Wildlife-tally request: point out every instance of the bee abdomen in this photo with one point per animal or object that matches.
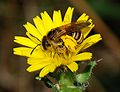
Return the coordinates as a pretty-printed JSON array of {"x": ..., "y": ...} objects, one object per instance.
[{"x": 75, "y": 35}]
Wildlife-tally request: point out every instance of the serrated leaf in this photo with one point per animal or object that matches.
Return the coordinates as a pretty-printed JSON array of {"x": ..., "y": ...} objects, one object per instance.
[
  {"x": 66, "y": 79},
  {"x": 67, "y": 83},
  {"x": 85, "y": 75}
]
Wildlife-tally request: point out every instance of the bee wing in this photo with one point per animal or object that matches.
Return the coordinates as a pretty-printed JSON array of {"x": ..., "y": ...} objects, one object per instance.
[
  {"x": 58, "y": 35},
  {"x": 79, "y": 25},
  {"x": 69, "y": 28}
]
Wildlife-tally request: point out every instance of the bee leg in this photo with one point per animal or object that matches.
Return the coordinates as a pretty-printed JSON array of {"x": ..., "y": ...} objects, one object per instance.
[{"x": 34, "y": 48}]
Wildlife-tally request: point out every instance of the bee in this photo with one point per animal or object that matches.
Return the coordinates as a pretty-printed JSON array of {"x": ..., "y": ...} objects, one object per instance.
[{"x": 53, "y": 38}]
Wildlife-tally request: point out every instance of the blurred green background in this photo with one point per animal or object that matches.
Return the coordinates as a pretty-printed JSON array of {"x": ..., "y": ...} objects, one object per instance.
[{"x": 106, "y": 16}]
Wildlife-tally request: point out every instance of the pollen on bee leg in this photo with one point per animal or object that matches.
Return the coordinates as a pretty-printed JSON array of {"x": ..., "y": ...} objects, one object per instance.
[{"x": 69, "y": 42}]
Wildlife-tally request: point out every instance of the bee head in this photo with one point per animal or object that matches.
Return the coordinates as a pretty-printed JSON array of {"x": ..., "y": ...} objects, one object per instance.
[{"x": 45, "y": 43}]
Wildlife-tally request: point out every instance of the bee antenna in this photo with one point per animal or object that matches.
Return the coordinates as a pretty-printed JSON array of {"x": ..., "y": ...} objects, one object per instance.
[{"x": 34, "y": 49}]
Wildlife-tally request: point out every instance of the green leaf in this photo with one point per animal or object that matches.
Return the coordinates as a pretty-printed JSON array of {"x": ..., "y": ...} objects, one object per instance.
[
  {"x": 66, "y": 83},
  {"x": 85, "y": 75},
  {"x": 66, "y": 78}
]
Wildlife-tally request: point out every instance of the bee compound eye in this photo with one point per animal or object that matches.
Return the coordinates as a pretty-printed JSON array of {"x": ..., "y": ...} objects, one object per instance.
[{"x": 45, "y": 43}]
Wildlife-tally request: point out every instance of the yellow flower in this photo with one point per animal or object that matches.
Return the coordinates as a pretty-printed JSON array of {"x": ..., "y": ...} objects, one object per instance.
[{"x": 47, "y": 61}]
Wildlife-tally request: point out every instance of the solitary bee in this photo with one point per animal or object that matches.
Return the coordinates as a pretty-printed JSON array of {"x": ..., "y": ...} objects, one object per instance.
[{"x": 53, "y": 38}]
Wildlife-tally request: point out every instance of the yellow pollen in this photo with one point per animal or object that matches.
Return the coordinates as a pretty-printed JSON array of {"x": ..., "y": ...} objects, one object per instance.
[{"x": 69, "y": 42}]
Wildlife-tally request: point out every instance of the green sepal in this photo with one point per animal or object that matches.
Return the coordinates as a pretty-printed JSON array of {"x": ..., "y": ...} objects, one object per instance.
[
  {"x": 66, "y": 83},
  {"x": 66, "y": 78},
  {"x": 85, "y": 75}
]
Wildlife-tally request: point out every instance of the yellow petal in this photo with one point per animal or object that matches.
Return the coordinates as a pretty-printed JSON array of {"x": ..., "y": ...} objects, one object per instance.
[
  {"x": 35, "y": 40},
  {"x": 57, "y": 18},
  {"x": 46, "y": 70},
  {"x": 73, "y": 66},
  {"x": 37, "y": 66},
  {"x": 38, "y": 53},
  {"x": 24, "y": 51},
  {"x": 89, "y": 42},
  {"x": 32, "y": 30},
  {"x": 32, "y": 61},
  {"x": 82, "y": 56},
  {"x": 90, "y": 20},
  {"x": 24, "y": 41},
  {"x": 52, "y": 68},
  {"x": 85, "y": 31},
  {"x": 47, "y": 21},
  {"x": 40, "y": 26},
  {"x": 68, "y": 16},
  {"x": 83, "y": 17}
]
